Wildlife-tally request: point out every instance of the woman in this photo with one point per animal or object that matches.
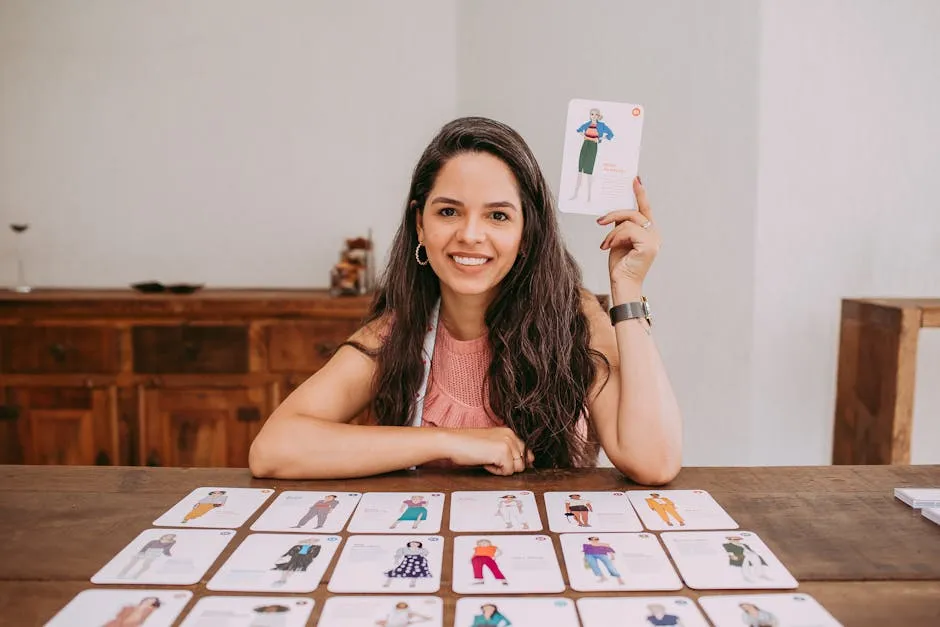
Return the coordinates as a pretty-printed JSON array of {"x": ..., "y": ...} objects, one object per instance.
[
  {"x": 594, "y": 131},
  {"x": 489, "y": 616},
  {"x": 414, "y": 510},
  {"x": 578, "y": 508},
  {"x": 411, "y": 562},
  {"x": 484, "y": 556},
  {"x": 509, "y": 509},
  {"x": 597, "y": 553},
  {"x": 482, "y": 331},
  {"x": 148, "y": 554},
  {"x": 402, "y": 616},
  {"x": 297, "y": 559},
  {"x": 753, "y": 616},
  {"x": 211, "y": 501},
  {"x": 134, "y": 615}
]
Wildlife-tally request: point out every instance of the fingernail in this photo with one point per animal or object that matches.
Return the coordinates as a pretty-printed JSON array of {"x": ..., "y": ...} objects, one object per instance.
[{"x": 639, "y": 179}]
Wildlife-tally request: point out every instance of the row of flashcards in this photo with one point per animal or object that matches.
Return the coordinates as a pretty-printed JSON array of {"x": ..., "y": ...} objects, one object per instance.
[
  {"x": 470, "y": 511},
  {"x": 482, "y": 564},
  {"x": 159, "y": 608}
]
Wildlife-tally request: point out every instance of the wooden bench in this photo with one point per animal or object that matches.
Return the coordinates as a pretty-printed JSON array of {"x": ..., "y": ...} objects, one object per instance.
[{"x": 875, "y": 390}]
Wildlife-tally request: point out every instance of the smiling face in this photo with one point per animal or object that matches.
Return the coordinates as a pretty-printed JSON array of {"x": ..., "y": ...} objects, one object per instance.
[{"x": 471, "y": 225}]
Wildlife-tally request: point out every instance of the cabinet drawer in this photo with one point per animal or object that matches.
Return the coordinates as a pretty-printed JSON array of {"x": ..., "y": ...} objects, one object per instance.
[
  {"x": 306, "y": 346},
  {"x": 58, "y": 349},
  {"x": 190, "y": 349}
]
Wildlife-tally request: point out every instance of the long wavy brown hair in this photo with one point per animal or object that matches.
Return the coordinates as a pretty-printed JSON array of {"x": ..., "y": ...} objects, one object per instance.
[{"x": 542, "y": 366}]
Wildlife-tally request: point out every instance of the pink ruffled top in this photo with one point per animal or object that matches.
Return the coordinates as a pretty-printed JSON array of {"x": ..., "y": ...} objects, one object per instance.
[{"x": 457, "y": 396}]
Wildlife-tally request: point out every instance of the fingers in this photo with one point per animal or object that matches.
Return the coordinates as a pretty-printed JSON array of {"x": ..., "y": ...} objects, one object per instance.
[
  {"x": 622, "y": 215},
  {"x": 641, "y": 201},
  {"x": 625, "y": 233}
]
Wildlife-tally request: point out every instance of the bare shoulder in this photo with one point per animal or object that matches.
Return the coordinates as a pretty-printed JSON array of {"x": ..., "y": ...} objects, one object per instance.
[{"x": 372, "y": 335}]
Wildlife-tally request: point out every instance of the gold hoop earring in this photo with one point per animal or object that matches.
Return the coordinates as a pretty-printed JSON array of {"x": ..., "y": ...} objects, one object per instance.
[{"x": 418, "y": 255}]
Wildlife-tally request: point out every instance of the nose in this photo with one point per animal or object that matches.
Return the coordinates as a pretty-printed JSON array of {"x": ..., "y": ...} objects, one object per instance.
[{"x": 471, "y": 230}]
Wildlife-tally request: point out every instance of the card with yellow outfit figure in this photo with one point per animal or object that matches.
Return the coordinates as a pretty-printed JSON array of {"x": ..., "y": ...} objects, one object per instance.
[{"x": 680, "y": 510}]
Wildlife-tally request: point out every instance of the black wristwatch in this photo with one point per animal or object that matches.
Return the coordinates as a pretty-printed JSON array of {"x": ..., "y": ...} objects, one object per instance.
[{"x": 628, "y": 311}]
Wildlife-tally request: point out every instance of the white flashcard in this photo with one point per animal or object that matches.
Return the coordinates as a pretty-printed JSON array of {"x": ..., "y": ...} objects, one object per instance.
[
  {"x": 297, "y": 511},
  {"x": 932, "y": 514},
  {"x": 389, "y": 564},
  {"x": 255, "y": 611},
  {"x": 617, "y": 561},
  {"x": 215, "y": 508},
  {"x": 726, "y": 560},
  {"x": 918, "y": 498},
  {"x": 276, "y": 562},
  {"x": 153, "y": 608},
  {"x": 670, "y": 611},
  {"x": 505, "y": 564},
  {"x": 574, "y": 512},
  {"x": 490, "y": 511},
  {"x": 398, "y": 512},
  {"x": 600, "y": 156},
  {"x": 767, "y": 610},
  {"x": 516, "y": 611},
  {"x": 166, "y": 557},
  {"x": 662, "y": 510},
  {"x": 382, "y": 611}
]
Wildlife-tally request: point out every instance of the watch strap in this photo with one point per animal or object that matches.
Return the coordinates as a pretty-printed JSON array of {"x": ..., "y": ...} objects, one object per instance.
[{"x": 631, "y": 310}]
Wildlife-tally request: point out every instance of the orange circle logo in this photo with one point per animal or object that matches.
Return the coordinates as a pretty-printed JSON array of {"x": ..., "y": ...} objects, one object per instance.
[{"x": 636, "y": 112}]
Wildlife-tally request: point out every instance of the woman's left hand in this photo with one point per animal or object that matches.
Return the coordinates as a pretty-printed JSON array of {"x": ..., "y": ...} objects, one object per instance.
[{"x": 633, "y": 242}]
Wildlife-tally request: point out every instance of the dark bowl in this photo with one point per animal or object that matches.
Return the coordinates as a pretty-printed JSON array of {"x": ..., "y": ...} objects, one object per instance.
[
  {"x": 184, "y": 288},
  {"x": 149, "y": 287}
]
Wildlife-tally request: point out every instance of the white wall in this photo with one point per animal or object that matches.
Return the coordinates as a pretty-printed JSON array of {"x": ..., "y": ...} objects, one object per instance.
[
  {"x": 848, "y": 188},
  {"x": 789, "y": 152},
  {"x": 694, "y": 67},
  {"x": 225, "y": 141}
]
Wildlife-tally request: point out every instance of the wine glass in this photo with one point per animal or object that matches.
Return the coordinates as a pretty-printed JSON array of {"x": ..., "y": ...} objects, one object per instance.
[{"x": 21, "y": 286}]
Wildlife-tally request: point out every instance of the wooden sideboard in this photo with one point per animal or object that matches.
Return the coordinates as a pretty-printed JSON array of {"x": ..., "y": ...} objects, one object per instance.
[{"x": 113, "y": 377}]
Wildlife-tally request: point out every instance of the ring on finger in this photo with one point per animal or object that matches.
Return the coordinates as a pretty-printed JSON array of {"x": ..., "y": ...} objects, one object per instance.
[{"x": 647, "y": 224}]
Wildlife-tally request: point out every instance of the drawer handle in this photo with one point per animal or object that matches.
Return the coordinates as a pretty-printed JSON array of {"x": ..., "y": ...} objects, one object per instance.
[
  {"x": 58, "y": 352},
  {"x": 326, "y": 349},
  {"x": 190, "y": 351},
  {"x": 9, "y": 412},
  {"x": 248, "y": 414}
]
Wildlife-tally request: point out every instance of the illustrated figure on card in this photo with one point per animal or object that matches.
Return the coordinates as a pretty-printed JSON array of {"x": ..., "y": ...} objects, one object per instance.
[
  {"x": 490, "y": 616},
  {"x": 134, "y": 615},
  {"x": 579, "y": 509},
  {"x": 665, "y": 509},
  {"x": 753, "y": 616},
  {"x": 412, "y": 510},
  {"x": 597, "y": 554},
  {"x": 148, "y": 554},
  {"x": 594, "y": 132},
  {"x": 298, "y": 558},
  {"x": 402, "y": 616},
  {"x": 509, "y": 509},
  {"x": 211, "y": 501},
  {"x": 411, "y": 562},
  {"x": 271, "y": 615},
  {"x": 319, "y": 510},
  {"x": 740, "y": 555},
  {"x": 659, "y": 618},
  {"x": 484, "y": 556}
]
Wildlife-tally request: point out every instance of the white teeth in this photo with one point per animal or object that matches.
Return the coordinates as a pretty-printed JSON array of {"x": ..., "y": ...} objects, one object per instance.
[{"x": 470, "y": 261}]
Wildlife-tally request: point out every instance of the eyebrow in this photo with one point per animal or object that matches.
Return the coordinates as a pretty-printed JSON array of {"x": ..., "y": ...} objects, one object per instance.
[{"x": 499, "y": 204}]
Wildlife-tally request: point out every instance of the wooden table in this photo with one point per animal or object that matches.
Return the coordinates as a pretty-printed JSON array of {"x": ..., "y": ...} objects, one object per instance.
[
  {"x": 868, "y": 558},
  {"x": 875, "y": 389}
]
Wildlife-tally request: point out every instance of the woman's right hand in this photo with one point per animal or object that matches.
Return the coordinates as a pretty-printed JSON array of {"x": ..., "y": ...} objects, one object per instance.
[{"x": 497, "y": 449}]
